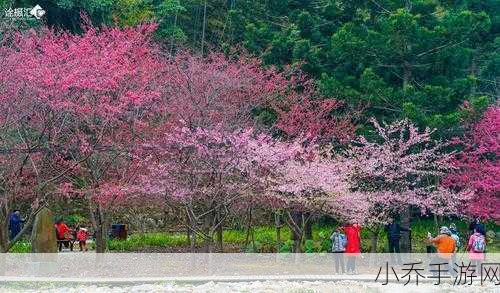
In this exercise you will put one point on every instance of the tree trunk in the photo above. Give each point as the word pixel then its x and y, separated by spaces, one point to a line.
pixel 436 224
pixel 173 33
pixel 297 228
pixel 208 233
pixel 405 235
pixel 277 224
pixel 191 237
pixel 43 236
pixel 220 232
pixel 101 229
pixel 249 226
pixel 4 235
pixel 190 233
pixel 249 235
pixel 204 27
pixel 307 227
pixel 406 74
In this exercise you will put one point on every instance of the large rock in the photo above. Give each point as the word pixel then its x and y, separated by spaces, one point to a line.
pixel 43 236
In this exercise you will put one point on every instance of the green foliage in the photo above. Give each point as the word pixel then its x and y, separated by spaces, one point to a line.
pixel 75 220
pixel 286 246
pixel 253 247
pixel 21 247
pixel 133 12
pixel 138 241
pixel 309 246
pixel 415 59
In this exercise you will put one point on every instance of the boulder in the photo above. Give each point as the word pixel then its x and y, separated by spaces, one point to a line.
pixel 43 236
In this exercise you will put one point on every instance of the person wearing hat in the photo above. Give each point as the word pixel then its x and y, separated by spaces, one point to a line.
pixel 81 236
pixel 445 246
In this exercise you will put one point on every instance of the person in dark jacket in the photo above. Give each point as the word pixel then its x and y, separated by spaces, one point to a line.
pixel 394 235
pixel 15 224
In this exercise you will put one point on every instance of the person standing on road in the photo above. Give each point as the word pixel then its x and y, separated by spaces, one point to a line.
pixel 339 242
pixel 81 236
pixel 445 246
pixel 62 234
pixel 476 246
pixel 394 235
pixel 353 247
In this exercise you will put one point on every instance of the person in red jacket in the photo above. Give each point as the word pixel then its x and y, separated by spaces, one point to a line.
pixel 63 234
pixel 353 247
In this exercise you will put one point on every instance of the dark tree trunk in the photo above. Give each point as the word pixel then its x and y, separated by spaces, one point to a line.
pixel 101 230
pixel 297 228
pixel 405 235
pixel 208 233
pixel 436 224
pixel 249 227
pixel 220 232
pixel 190 233
pixel 277 223
pixel 204 27
pixel 4 233
pixel 249 235
pixel 307 228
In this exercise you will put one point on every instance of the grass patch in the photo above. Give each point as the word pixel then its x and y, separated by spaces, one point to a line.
pixel 264 239
pixel 138 241
pixel 21 246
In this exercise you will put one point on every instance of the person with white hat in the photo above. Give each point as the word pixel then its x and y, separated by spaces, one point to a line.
pixel 81 236
pixel 445 246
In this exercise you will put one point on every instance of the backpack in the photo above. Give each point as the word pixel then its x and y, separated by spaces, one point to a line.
pixel 339 242
pixel 479 244
pixel 457 240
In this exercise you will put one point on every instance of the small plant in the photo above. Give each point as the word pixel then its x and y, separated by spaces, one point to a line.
pixel 256 246
pixel 490 237
pixel 309 246
pixel 21 247
pixel 287 246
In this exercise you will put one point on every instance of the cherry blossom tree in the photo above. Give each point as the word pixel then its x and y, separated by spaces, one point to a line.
pixel 32 160
pixel 29 166
pixel 217 90
pixel 220 94
pixel 478 166
pixel 399 171
pixel 208 171
pixel 315 120
pixel 304 185
pixel 101 88
pixel 373 181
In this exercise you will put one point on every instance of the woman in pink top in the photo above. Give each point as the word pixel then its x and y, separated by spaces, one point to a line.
pixel 476 247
